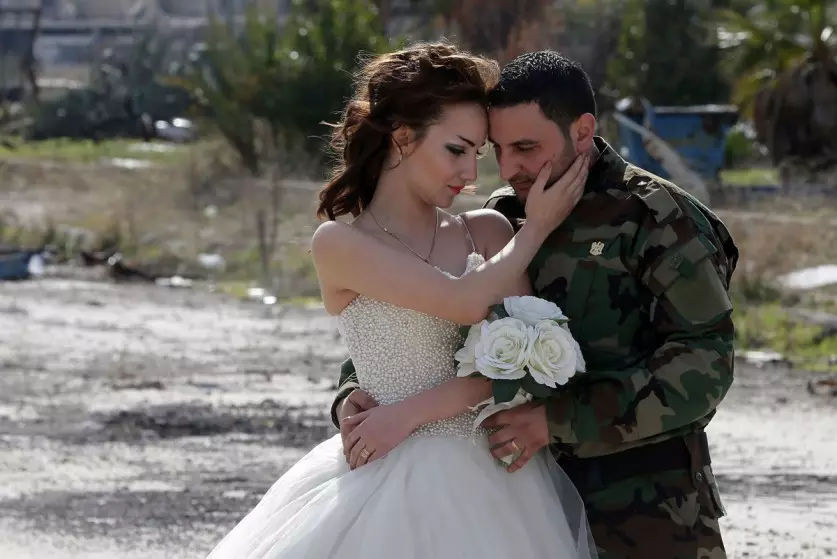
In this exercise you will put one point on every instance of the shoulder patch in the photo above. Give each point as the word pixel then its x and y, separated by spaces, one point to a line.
pixel 502 192
pixel 498 196
pixel 655 195
pixel 505 201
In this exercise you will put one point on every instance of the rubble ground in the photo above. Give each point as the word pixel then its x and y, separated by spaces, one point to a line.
pixel 143 422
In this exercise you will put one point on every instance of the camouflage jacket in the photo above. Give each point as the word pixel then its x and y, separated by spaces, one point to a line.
pixel 642 270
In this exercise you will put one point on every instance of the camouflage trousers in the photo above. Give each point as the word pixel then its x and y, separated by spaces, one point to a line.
pixel 663 515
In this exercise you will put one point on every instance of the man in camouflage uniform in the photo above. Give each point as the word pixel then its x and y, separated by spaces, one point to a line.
pixel 642 270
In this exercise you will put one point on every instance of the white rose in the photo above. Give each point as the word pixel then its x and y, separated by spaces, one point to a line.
pixel 503 349
pixel 581 365
pixel 532 310
pixel 467 353
pixel 555 355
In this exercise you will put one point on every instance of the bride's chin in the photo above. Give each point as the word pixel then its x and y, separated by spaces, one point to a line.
pixel 445 201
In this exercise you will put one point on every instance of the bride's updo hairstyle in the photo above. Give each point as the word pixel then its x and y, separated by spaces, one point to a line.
pixel 410 87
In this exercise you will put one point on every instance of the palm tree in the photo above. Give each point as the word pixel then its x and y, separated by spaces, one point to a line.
pixel 504 30
pixel 783 56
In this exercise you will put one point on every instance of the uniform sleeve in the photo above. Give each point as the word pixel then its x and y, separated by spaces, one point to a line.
pixel 505 202
pixel 691 369
pixel 348 383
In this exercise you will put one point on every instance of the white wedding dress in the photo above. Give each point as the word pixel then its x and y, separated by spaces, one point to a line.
pixel 439 494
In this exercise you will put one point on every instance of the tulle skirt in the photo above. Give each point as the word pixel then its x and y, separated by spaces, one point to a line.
pixel 431 497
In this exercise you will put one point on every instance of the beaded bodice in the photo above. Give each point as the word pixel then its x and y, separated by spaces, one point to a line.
pixel 399 352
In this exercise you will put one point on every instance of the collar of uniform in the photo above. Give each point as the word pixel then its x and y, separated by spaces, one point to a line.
pixel 608 168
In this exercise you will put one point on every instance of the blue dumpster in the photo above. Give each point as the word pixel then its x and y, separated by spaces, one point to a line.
pixel 696 133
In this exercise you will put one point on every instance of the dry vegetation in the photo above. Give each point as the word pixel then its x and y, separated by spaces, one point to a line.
pixel 776 239
pixel 161 216
pixel 194 200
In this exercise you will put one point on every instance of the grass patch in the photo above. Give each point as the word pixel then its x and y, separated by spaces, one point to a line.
pixel 750 177
pixel 87 151
pixel 237 289
pixel 764 313
pixel 770 326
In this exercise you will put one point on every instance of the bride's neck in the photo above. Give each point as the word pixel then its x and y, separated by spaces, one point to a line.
pixel 398 209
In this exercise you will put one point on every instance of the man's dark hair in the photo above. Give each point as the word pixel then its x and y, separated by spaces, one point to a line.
pixel 558 85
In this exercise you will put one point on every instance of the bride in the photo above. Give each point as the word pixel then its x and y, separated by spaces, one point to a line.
pixel 414 480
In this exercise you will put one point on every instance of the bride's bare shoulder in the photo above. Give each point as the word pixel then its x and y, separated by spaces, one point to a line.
pixel 486 218
pixel 333 241
pixel 331 246
pixel 328 230
pixel 490 230
pixel 334 235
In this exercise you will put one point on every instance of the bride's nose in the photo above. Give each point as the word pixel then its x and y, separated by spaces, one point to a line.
pixel 469 174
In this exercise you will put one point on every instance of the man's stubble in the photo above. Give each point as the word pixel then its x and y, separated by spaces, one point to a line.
pixel 560 165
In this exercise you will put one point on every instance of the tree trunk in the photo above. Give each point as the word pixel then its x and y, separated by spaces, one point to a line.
pixel 28 62
pixel 384 12
pixel 495 31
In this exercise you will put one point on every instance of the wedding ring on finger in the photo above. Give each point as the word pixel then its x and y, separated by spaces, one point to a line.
pixel 365 454
pixel 517 451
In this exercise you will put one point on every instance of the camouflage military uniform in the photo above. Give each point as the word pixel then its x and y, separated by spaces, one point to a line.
pixel 642 269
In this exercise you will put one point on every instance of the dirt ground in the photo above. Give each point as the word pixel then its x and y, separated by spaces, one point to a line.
pixel 143 422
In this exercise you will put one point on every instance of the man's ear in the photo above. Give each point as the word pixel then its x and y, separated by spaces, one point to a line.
pixel 582 132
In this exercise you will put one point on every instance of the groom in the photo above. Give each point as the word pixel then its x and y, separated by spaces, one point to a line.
pixel 642 270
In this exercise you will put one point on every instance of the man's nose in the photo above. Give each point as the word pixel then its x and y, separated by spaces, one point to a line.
pixel 508 168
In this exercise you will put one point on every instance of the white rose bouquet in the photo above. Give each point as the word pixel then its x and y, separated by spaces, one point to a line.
pixel 525 348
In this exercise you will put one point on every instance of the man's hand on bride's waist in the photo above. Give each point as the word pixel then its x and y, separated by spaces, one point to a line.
pixel 375 432
pixel 357 401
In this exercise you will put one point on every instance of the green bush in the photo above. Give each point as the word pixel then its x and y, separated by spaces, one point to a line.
pixel 289 79
pixel 742 149
pixel 667 54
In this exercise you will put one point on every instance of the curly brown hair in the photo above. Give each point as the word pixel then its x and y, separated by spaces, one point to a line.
pixel 409 87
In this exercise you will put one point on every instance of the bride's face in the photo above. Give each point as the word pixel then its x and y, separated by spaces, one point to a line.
pixel 444 160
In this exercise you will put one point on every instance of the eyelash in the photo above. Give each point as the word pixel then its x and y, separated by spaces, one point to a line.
pixel 456 150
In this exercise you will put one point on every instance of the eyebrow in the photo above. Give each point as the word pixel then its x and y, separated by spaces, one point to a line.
pixel 469 142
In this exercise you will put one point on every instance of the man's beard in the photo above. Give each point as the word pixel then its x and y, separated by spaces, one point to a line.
pixel 522 182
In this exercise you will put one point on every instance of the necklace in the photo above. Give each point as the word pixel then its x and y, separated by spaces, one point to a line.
pixel 394 236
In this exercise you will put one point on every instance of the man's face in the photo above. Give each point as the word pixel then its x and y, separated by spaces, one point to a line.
pixel 524 139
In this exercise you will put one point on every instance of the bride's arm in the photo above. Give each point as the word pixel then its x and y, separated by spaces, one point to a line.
pixel 347 259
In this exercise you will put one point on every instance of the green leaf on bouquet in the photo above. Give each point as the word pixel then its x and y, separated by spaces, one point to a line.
pixel 534 388
pixel 505 390
pixel 463 331
pixel 499 310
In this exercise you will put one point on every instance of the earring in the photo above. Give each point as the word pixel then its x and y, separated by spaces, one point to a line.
pixel 400 158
